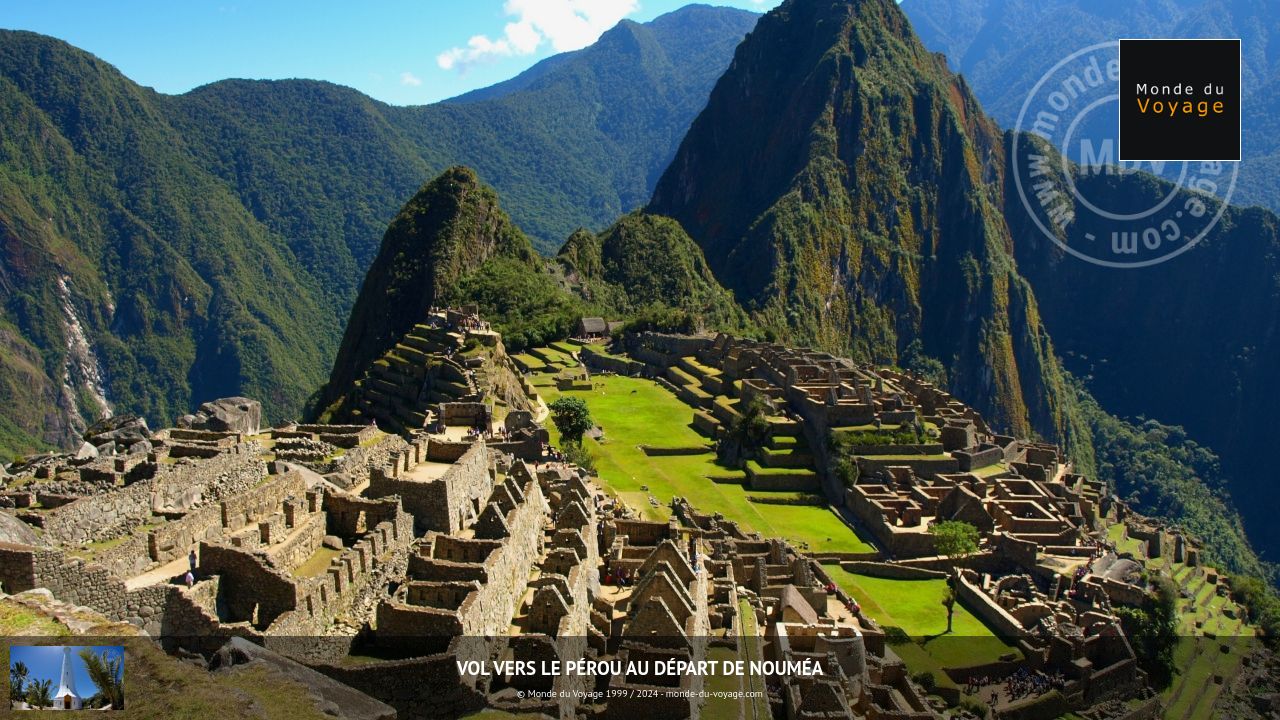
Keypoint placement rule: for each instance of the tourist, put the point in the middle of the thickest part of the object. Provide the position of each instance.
(191, 558)
(189, 579)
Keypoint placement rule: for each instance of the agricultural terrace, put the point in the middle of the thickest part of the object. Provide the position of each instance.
(633, 412)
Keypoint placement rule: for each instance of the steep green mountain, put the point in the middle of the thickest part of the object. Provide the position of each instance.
(1004, 46)
(645, 261)
(131, 276)
(1194, 340)
(453, 244)
(452, 226)
(866, 207)
(159, 251)
(854, 209)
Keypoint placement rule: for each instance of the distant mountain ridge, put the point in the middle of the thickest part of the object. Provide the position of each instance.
(1002, 47)
(160, 250)
(1194, 340)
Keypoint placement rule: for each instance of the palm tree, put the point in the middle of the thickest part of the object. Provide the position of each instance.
(18, 681)
(108, 674)
(40, 694)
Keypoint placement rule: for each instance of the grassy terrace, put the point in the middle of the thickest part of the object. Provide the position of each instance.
(1211, 644)
(916, 607)
(758, 707)
(991, 470)
(722, 708)
(635, 412)
(317, 564)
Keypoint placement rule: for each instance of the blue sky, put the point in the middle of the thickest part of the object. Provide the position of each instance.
(403, 52)
(44, 662)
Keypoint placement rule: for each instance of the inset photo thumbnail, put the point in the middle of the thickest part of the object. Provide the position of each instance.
(66, 677)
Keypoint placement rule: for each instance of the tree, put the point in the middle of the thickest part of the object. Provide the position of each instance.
(747, 432)
(107, 673)
(18, 680)
(578, 455)
(40, 694)
(1152, 631)
(949, 602)
(955, 540)
(572, 418)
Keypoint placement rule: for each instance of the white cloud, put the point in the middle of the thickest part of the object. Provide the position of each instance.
(408, 78)
(564, 24)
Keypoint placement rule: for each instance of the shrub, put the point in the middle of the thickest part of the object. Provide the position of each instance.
(895, 635)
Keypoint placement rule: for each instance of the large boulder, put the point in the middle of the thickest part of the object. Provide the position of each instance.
(331, 697)
(232, 414)
(117, 433)
(13, 530)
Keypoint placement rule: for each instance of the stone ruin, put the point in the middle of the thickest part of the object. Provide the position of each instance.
(453, 539)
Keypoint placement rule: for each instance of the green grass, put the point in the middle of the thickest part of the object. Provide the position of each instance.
(1116, 534)
(90, 550)
(916, 607)
(159, 686)
(529, 361)
(757, 469)
(495, 714)
(317, 563)
(634, 412)
(990, 470)
(758, 707)
(552, 357)
(1197, 658)
(17, 619)
(722, 708)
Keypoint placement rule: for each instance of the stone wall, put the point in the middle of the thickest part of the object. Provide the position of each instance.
(351, 516)
(161, 610)
(443, 504)
(447, 452)
(979, 458)
(487, 608)
(100, 517)
(359, 461)
(610, 363)
(981, 605)
(109, 515)
(128, 558)
(423, 688)
(249, 589)
(300, 544)
(172, 540)
(353, 578)
(228, 473)
(896, 543)
(892, 571)
(213, 520)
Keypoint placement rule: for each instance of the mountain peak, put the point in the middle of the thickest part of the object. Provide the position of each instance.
(852, 210)
(451, 225)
